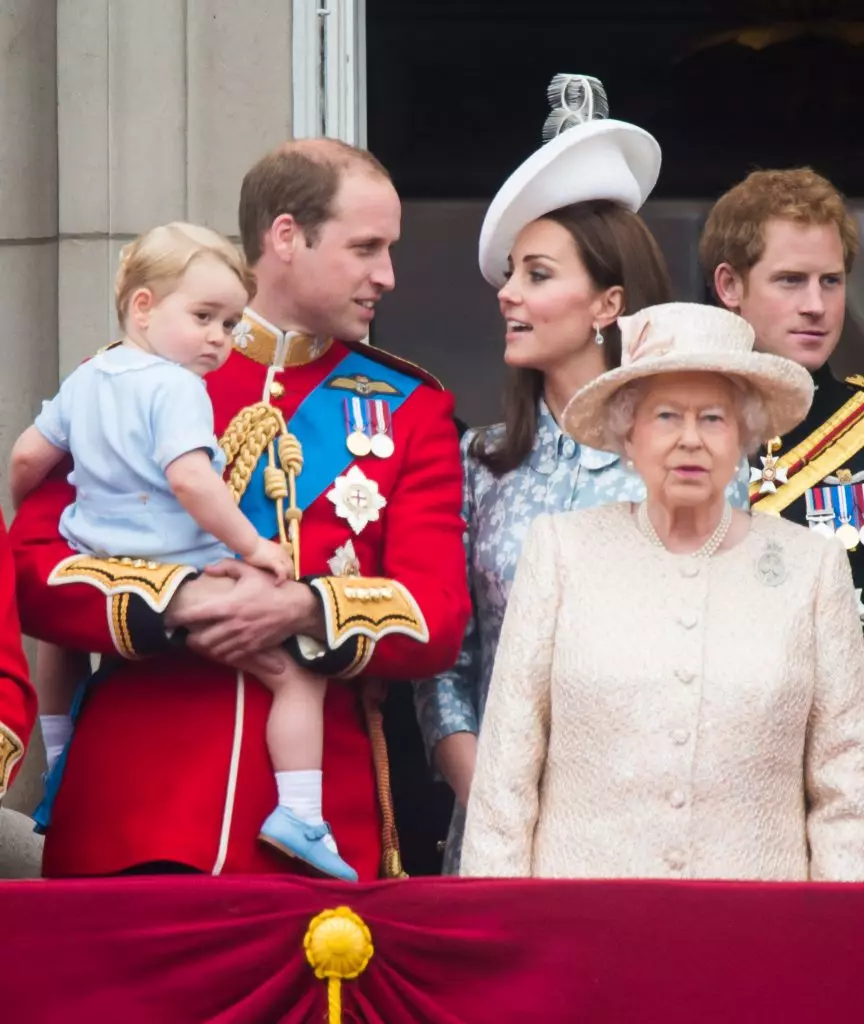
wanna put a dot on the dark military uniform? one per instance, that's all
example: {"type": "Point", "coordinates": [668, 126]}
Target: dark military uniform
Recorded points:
{"type": "Point", "coordinates": [817, 472]}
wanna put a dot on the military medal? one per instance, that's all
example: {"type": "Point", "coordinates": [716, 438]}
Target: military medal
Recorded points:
{"type": "Point", "coordinates": [846, 532]}
{"type": "Point", "coordinates": [357, 439]}
{"type": "Point", "coordinates": [769, 475]}
{"type": "Point", "coordinates": [848, 536]}
{"type": "Point", "coordinates": [382, 428]}
{"type": "Point", "coordinates": [819, 518]}
{"type": "Point", "coordinates": [858, 501]}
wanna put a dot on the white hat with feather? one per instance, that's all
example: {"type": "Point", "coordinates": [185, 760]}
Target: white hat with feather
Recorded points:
{"type": "Point", "coordinates": [585, 156]}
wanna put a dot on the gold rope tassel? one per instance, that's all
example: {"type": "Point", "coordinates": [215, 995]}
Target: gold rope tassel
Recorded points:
{"type": "Point", "coordinates": [391, 859]}
{"type": "Point", "coordinates": [291, 463]}
{"type": "Point", "coordinates": [338, 946]}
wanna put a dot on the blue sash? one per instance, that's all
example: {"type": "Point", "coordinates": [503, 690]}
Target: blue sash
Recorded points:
{"type": "Point", "coordinates": [319, 425]}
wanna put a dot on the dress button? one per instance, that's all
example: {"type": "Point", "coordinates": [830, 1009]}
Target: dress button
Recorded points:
{"type": "Point", "coordinates": [277, 389]}
{"type": "Point", "coordinates": [688, 619]}
{"type": "Point", "coordinates": [690, 568]}
{"type": "Point", "coordinates": [676, 860]}
{"type": "Point", "coordinates": [680, 736]}
{"type": "Point", "coordinates": [677, 798]}
{"type": "Point", "coordinates": [568, 448]}
{"type": "Point", "coordinates": [685, 675]}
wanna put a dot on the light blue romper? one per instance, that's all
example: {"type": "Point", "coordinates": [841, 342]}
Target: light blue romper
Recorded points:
{"type": "Point", "coordinates": [124, 416]}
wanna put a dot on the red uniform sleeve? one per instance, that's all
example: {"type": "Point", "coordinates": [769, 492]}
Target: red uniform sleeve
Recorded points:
{"type": "Point", "coordinates": [415, 612]}
{"type": "Point", "coordinates": [80, 613]}
{"type": "Point", "coordinates": [424, 550]}
{"type": "Point", "coordinates": [17, 697]}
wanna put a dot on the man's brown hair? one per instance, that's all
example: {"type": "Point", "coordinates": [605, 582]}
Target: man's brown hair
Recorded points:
{"type": "Point", "coordinates": [300, 178]}
{"type": "Point", "coordinates": [735, 230]}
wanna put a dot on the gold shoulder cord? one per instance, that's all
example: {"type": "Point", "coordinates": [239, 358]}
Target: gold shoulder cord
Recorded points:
{"type": "Point", "coordinates": [249, 433]}
{"type": "Point", "coordinates": [840, 450]}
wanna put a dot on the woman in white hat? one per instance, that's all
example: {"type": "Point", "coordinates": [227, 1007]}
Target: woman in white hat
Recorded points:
{"type": "Point", "coordinates": [679, 687]}
{"type": "Point", "coordinates": [563, 244]}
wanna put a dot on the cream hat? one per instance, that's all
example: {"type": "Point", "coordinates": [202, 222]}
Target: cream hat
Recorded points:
{"type": "Point", "coordinates": [686, 336]}
{"type": "Point", "coordinates": [587, 157]}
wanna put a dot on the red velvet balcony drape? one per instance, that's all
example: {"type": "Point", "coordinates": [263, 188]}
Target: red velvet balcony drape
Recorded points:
{"type": "Point", "coordinates": [230, 951]}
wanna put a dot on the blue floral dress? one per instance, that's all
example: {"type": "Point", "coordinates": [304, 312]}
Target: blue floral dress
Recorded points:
{"type": "Point", "coordinates": [558, 475]}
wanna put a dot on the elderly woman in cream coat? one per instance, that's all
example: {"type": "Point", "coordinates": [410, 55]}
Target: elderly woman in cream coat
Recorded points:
{"type": "Point", "coordinates": [679, 688]}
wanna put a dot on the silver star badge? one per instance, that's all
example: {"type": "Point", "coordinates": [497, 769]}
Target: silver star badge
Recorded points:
{"type": "Point", "coordinates": [770, 474]}
{"type": "Point", "coordinates": [356, 499]}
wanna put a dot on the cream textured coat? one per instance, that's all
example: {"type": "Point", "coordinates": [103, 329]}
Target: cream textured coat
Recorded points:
{"type": "Point", "coordinates": [659, 716]}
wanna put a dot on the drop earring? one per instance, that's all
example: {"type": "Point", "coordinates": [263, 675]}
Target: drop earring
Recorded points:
{"type": "Point", "coordinates": [598, 335]}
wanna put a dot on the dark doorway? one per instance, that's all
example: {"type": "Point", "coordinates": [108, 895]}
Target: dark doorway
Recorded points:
{"type": "Point", "coordinates": [456, 87]}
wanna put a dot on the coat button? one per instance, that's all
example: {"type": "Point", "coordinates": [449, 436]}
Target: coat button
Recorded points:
{"type": "Point", "coordinates": [688, 619]}
{"type": "Point", "coordinates": [680, 737]}
{"type": "Point", "coordinates": [677, 798]}
{"type": "Point", "coordinates": [685, 675]}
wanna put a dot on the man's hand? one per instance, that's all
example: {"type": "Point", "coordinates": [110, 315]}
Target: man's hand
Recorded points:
{"type": "Point", "coordinates": [235, 612]}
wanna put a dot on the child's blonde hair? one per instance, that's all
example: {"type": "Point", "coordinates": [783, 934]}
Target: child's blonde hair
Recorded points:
{"type": "Point", "coordinates": [160, 257]}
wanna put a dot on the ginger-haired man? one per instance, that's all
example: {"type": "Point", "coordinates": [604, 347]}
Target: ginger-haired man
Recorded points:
{"type": "Point", "coordinates": [778, 248]}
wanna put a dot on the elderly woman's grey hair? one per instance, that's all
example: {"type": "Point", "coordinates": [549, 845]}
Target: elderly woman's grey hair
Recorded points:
{"type": "Point", "coordinates": [619, 413]}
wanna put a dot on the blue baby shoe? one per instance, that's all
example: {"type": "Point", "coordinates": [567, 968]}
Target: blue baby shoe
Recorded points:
{"type": "Point", "coordinates": [297, 838]}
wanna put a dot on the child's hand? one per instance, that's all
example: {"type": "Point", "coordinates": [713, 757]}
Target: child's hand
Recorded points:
{"type": "Point", "coordinates": [274, 558]}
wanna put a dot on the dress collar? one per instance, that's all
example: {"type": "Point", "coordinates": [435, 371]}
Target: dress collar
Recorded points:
{"type": "Point", "coordinates": [552, 445]}
{"type": "Point", "coordinates": [263, 343]}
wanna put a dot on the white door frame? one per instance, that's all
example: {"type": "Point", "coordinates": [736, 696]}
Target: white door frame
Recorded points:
{"type": "Point", "coordinates": [329, 69]}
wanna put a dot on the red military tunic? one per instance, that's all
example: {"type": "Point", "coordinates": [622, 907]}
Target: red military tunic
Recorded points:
{"type": "Point", "coordinates": [169, 759]}
{"type": "Point", "coordinates": [17, 697]}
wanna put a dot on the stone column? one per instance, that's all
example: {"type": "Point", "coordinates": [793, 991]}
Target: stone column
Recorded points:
{"type": "Point", "coordinates": [28, 246]}
{"type": "Point", "coordinates": [162, 107]}
{"type": "Point", "coordinates": [28, 216]}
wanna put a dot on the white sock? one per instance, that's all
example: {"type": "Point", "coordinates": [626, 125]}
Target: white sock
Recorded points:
{"type": "Point", "coordinates": [56, 732]}
{"type": "Point", "coordinates": [300, 792]}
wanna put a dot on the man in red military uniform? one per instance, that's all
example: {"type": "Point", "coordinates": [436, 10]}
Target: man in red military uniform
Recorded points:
{"type": "Point", "coordinates": [17, 697]}
{"type": "Point", "coordinates": [348, 453]}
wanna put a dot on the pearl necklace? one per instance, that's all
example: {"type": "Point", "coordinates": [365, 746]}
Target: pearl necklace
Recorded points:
{"type": "Point", "coordinates": [710, 545]}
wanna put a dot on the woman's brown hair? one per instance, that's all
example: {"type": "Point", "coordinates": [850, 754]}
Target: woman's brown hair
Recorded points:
{"type": "Point", "coordinates": [617, 249]}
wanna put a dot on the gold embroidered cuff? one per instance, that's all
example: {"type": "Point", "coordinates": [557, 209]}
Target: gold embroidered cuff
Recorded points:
{"type": "Point", "coordinates": [154, 582]}
{"type": "Point", "coordinates": [370, 607]}
{"type": "Point", "coordinates": [11, 752]}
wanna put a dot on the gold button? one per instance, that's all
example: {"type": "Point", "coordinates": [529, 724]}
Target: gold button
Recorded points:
{"type": "Point", "coordinates": [277, 390]}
